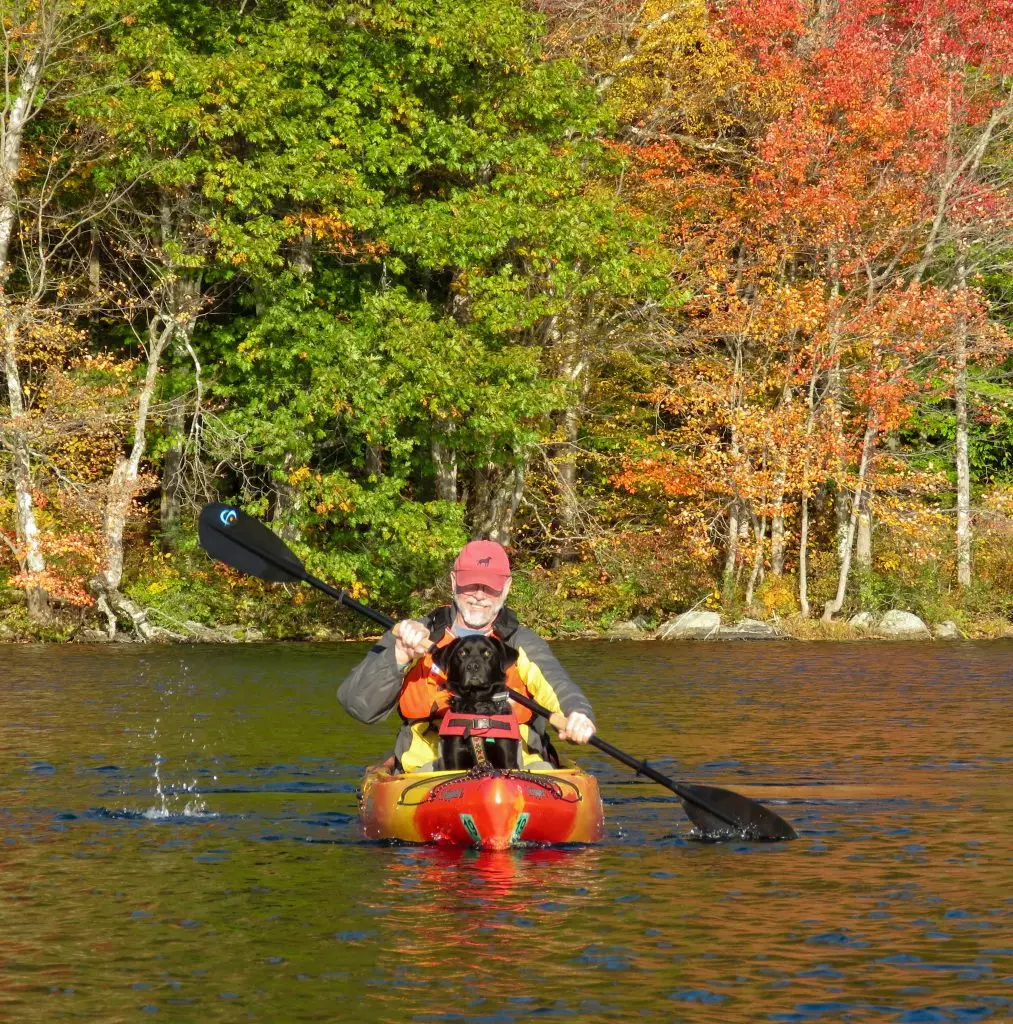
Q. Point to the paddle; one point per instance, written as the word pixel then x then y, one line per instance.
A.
pixel 237 539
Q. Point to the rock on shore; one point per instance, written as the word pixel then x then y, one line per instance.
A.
pixel 902 626
pixel 692 625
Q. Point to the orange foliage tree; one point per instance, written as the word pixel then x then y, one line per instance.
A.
pixel 816 188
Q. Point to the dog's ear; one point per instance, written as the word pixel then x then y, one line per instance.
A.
pixel 507 654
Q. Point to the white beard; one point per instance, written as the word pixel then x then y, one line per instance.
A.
pixel 479 619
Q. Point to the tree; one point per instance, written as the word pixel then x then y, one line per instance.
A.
pixel 51 52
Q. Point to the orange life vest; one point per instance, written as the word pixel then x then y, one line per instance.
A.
pixel 424 693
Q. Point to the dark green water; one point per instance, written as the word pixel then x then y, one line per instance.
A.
pixel 180 841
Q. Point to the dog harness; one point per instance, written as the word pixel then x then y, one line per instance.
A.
pixel 493 727
pixel 480 729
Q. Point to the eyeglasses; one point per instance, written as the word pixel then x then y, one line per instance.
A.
pixel 478 589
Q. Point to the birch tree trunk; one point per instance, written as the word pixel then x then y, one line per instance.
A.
pixel 574 371
pixel 26 527
pixel 731 553
pixel 777 538
pixel 756 576
pixel 120 492
pixel 803 552
pixel 12 126
pixel 961 454
pixel 831 608
pixel 803 540
pixel 863 533
pixel 174 467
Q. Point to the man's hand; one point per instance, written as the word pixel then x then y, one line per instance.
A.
pixel 578 728
pixel 412 641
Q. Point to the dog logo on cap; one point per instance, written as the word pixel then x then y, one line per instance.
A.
pixel 485 561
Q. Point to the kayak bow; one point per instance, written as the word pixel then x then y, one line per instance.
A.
pixel 490 809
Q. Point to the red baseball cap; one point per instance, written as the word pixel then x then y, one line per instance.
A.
pixel 484 562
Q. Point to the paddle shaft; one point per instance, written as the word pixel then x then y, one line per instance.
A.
pixel 348 601
pixel 640 767
pixel 297 570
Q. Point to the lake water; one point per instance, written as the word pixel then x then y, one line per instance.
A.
pixel 180 841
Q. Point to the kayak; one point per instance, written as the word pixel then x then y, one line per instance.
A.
pixel 488 809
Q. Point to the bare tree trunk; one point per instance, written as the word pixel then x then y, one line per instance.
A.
pixel 803 553
pixel 803 538
pixel 760 530
pixel 961 455
pixel 574 371
pixel 170 501
pixel 13 119
pixel 29 538
pixel 302 257
pixel 731 552
pixel 122 484
pixel 497 493
pixel 833 607
pixel 777 538
pixel 12 127
pixel 186 294
pixel 94 262
pixel 863 533
pixel 843 510
pixel 835 391
pixel 444 463
pixel 736 509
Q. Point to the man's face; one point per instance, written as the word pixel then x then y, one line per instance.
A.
pixel 478 605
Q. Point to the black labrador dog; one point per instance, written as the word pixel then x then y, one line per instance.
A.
pixel 475 667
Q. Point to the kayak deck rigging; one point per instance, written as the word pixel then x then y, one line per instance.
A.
pixel 484 807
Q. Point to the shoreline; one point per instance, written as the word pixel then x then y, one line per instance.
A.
pixel 816 632
pixel 696 624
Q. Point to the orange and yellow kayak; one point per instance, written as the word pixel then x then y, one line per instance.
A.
pixel 492 810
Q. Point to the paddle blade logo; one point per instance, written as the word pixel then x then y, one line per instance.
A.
pixel 228 516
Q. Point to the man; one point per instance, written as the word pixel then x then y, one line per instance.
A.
pixel 397 672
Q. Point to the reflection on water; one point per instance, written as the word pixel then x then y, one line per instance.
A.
pixel 180 839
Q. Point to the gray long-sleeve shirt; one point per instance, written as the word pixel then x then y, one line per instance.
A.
pixel 371 690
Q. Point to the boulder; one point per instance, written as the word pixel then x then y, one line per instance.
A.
pixel 750 629
pixel 902 626
pixel 947 630
pixel 863 620
pixel 691 625
pixel 628 630
pixel 92 636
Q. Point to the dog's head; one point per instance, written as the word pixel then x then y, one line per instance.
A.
pixel 475 665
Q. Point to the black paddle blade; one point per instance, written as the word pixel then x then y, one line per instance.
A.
pixel 231 536
pixel 752 820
